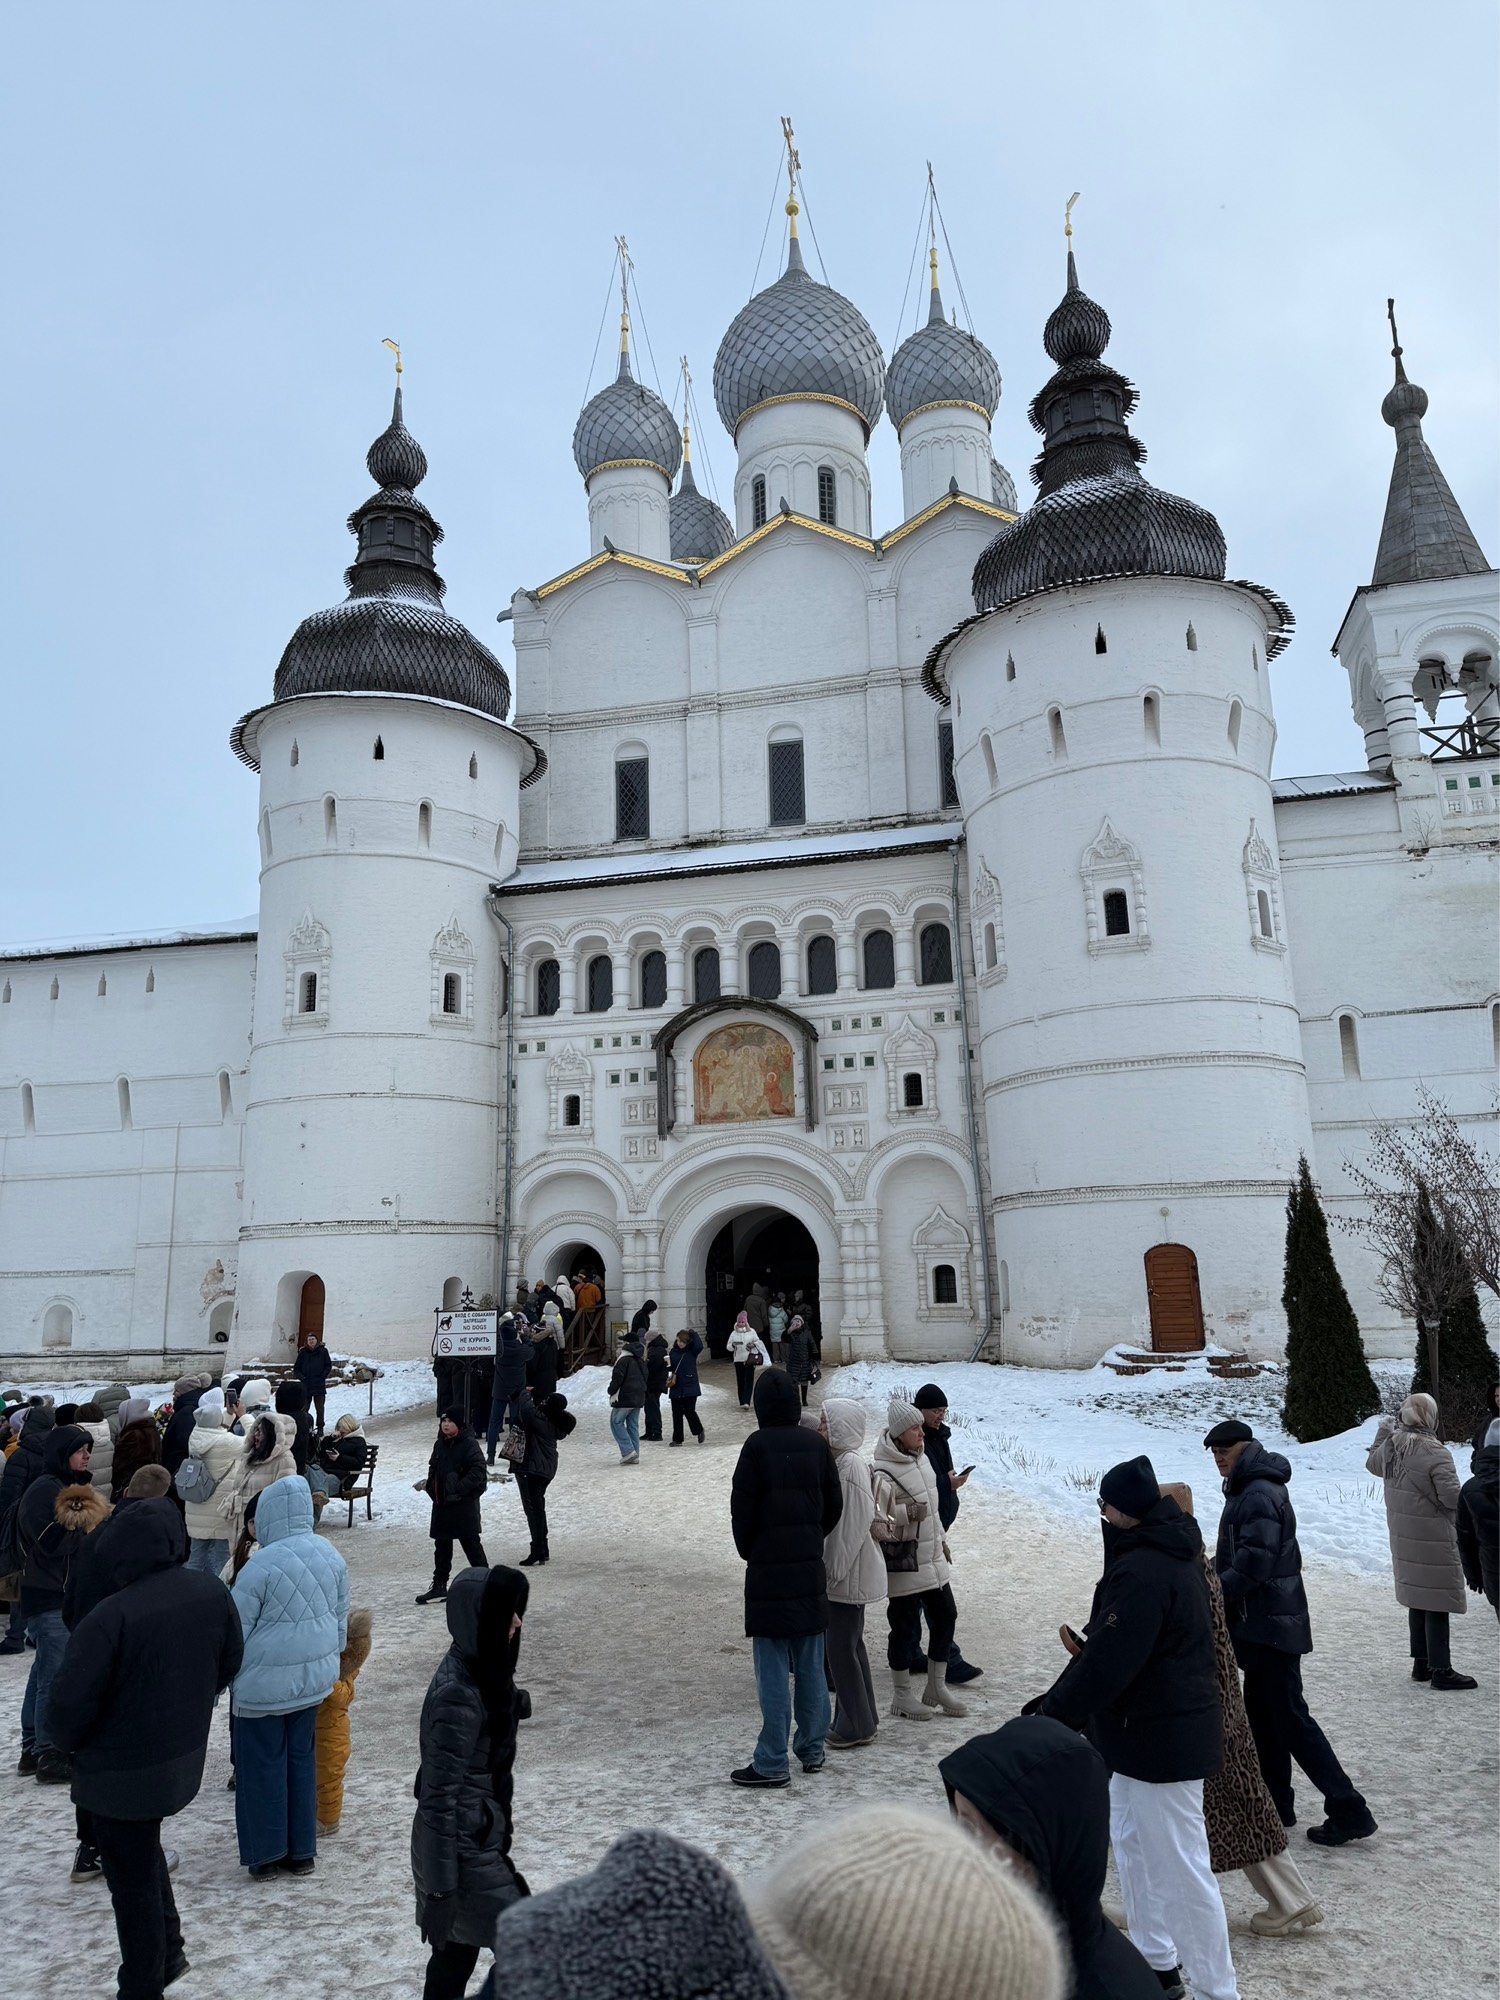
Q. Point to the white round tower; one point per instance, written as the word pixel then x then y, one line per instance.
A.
pixel 941 393
pixel 627 446
pixel 389 785
pixel 1137 1037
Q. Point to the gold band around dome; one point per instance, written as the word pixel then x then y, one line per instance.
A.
pixel 946 403
pixel 811 396
pixel 625 464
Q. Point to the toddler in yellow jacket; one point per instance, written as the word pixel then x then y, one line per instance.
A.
pixel 333 1724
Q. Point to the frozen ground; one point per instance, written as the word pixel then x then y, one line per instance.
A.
pixel 640 1675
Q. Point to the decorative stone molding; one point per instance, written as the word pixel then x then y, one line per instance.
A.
pixel 910 1050
pixel 453 953
pixel 570 1074
pixel 849 1138
pixel 309 949
pixel 987 910
pixel 1109 862
pixel 1261 879
pixel 942 1241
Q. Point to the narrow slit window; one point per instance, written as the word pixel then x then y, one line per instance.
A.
pixel 1055 730
pixel 5 995
pixel 330 821
pixel 991 769
pixel 1101 644
pixel 654 979
pixel 572 1109
pixel 474 767
pixel 1152 713
pixel 265 836
pixel 122 1089
pixel 1263 909
pixel 822 965
pixel 828 504
pixel 601 983
pixel 1349 1045
pixel 633 798
pixel 28 1108
pixel 308 1003
pixel 1192 640
pixel 453 993
pixel 1116 913
pixel 296 757
pixel 1235 715
pixel 226 1096
pixel 1010 666
pixel 379 750
pixel 764 970
pixel 947 783
pixel 911 1090
pixel 991 953
pixel 936 955
pixel 880 961
pixel 151 981
pixel 56 990
pixel 424 825
pixel 788 799
pixel 1255 658
pixel 548 986
pixel 757 502
pixel 706 973
pixel 944 1285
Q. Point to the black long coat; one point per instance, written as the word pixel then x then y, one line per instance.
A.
pixel 1258 1559
pixel 456 1479
pixel 1478 1524
pixel 178 1434
pixel 541 1369
pixel 1146 1686
pixel 25 1462
pixel 785 1499
pixel 461 1833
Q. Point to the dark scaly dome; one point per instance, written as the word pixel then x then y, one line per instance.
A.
pixel 626 424
pixel 940 363
pixel 802 339
pixel 700 529
pixel 391 634
pixel 1095 516
pixel 1424 535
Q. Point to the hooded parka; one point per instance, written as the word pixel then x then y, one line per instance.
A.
pixel 293 1600
pixel 57 1510
pixel 456 1479
pixel 1258 1560
pixel 250 1476
pixel 220 1451
pixel 852 1560
pixel 1421 1504
pixel 784 1502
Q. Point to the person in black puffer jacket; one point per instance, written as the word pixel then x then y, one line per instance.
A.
pixel 658 1368
pixel 461 1834
pixel 312 1368
pixel 1260 1572
pixel 785 1500
pixel 545 1421
pixel 23 1465
pixel 187 1393
pixel 456 1478
pixel 58 1509
pixel 512 1358
pixel 1477 1524
pixel 291 1401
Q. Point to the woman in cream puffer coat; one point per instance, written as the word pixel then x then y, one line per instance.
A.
pixel 906 1513
pixel 266 1458
pixel 1421 1503
pixel 855 1570
pixel 220 1451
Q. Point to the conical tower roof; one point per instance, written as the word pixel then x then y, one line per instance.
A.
pixel 1424 535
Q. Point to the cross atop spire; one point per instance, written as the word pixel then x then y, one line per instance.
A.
pixel 622 250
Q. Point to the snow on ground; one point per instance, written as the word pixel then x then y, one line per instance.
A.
pixel 635 1655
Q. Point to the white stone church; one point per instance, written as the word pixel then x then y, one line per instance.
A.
pixel 906 916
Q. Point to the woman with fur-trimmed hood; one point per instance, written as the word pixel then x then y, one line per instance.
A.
pixel 266 1458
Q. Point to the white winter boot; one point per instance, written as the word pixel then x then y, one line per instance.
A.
pixel 905 1701
pixel 937 1693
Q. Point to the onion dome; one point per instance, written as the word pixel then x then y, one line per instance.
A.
pixel 941 364
pixel 626 424
pixel 700 530
pixel 799 339
pixel 1095 515
pixel 391 634
pixel 1002 487
pixel 1424 535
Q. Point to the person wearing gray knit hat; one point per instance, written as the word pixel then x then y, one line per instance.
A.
pixel 896 1904
pixel 901 1416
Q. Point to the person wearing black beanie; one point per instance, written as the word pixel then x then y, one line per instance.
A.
pixel 456 1478
pixel 932 1401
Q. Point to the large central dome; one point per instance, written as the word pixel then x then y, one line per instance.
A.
pixel 798 338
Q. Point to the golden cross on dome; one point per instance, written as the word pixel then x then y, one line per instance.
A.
pixel 1068 219
pixel 622 249
pixel 687 383
pixel 793 168
pixel 395 347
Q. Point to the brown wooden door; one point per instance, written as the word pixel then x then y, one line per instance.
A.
pixel 310 1319
pixel 1172 1291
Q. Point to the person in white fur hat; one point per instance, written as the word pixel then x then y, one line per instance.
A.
pixel 917 1568
pixel 217 1450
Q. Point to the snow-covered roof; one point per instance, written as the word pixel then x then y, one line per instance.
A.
pixel 730 857
pixel 1330 785
pixel 235 930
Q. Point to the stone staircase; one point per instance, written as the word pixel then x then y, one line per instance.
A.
pixel 1225 1367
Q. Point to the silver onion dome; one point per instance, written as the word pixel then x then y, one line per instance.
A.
pixel 626 424
pixel 700 530
pixel 940 363
pixel 798 338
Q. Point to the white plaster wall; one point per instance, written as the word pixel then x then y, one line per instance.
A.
pixel 628 505
pixel 786 443
pixel 939 445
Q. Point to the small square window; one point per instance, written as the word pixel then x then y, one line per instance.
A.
pixel 614 1076
pixel 877 1020
pixel 1475 783
pixel 836 1023
pixel 868 1061
pixel 634 1076
pixel 520 1048
pixel 541 1048
pixel 598 1041
pixel 828 1062
pixel 940 1014
pixel 616 1042
pixel 848 1062
pixel 856 1022
pixel 635 1041
pixel 651 1076
pixel 1450 784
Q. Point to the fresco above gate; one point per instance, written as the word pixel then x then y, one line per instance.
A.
pixel 742 1072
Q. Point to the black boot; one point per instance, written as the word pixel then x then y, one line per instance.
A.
pixel 436 1594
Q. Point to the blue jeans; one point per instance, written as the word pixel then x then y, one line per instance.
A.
pixel 505 1408
pixel 789 1681
pixel 49 1635
pixel 276 1786
pixel 209 1556
pixel 626 1425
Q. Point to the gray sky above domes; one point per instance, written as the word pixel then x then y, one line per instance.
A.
pixel 215 225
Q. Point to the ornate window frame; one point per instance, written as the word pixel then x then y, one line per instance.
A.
pixel 907 1048
pixel 941 1240
pixel 570 1074
pixel 308 949
pixel 1260 875
pixel 987 906
pixel 453 951
pixel 1112 862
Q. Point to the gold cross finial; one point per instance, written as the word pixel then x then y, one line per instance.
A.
pixel 622 249
pixel 687 383
pixel 395 347
pixel 1068 219
pixel 793 168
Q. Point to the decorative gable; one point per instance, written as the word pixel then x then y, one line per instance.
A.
pixel 570 1094
pixel 452 958
pixel 309 966
pixel 942 1249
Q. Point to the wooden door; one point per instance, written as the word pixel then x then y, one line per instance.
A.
pixel 1172 1292
pixel 310 1316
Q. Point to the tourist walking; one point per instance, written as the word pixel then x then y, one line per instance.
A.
pixel 131 1707
pixel 683 1384
pixel 57 1510
pixel 511 1361
pixel 785 1501
pixel 1145 1686
pixel 627 1397
pixel 937 1443
pixel 214 1452
pixel 292 1597
pixel 910 1535
pixel 546 1423
pixel 777 1319
pixel 1477 1522
pixel 266 1458
pixel 1421 1506
pixel 747 1354
pixel 855 1571
pixel 758 1312
pixel 461 1832
pixel 456 1480
pixel 658 1376
pixel 1039 1793
pixel 1259 1566
pixel 312 1368
pixel 797 1354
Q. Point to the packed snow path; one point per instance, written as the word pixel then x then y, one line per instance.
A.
pixel 640 1675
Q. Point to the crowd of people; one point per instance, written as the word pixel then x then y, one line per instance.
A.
pixel 162 1560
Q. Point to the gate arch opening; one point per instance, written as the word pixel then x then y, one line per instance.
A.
pixel 759 1245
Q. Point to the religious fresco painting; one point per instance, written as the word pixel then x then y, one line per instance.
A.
pixel 743 1072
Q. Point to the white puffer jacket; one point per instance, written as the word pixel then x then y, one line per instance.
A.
pixel 220 1451
pixel 101 1457
pixel 915 1489
pixel 853 1563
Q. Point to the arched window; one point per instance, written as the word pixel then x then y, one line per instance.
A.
pixel 28 1108
pixel 151 980
pixel 453 1291
pixel 122 1091
pixel 828 506
pixel 474 766
pixel 1101 644
pixel 758 501
pixel 379 750
pixel 1263 911
pixel 947 783
pixel 936 955
pixel 632 798
pixel 308 994
pixel 944 1285
pixel 880 960
pixel 1192 640
pixel 788 803
pixel 1004 1286
pixel 57 1326
pixel 424 824
pixel 1116 913
pixel 453 993
pixel 706 973
pixel 572 1109
pixel 601 983
pixel 989 759
pixel 764 969
pixel 330 821
pixel 1151 710
pixel 103 986
pixel 55 991
pixel 1349 1045
pixel 226 1096
pixel 991 953
pixel 822 965
pixel 911 1090
pixel 654 979
pixel 265 835
pixel 296 757
pixel 1235 713
pixel 1055 729
pixel 548 986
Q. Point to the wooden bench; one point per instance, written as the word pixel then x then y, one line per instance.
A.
pixel 364 1485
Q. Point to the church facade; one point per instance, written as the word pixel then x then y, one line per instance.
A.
pixel 907 917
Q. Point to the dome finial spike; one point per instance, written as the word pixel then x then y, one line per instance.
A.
pixel 793 206
pixel 935 297
pixel 687 441
pixel 622 249
pixel 1068 237
pixel 1390 313
pixel 395 347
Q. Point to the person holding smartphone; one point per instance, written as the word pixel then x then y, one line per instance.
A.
pixel 937 1444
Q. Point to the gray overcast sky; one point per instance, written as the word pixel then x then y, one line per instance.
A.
pixel 213 215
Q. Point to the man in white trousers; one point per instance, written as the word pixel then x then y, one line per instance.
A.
pixel 1143 1683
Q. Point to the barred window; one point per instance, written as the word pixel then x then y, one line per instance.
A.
pixel 880 960
pixel 828 505
pixel 788 798
pixel 548 987
pixel 654 979
pixel 633 799
pixel 310 993
pixel 706 973
pixel 947 783
pixel 572 1110
pixel 765 971
pixel 1116 913
pixel 601 984
pixel 937 955
pixel 911 1090
pixel 453 993
pixel 944 1285
pixel 822 966
pixel 757 502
